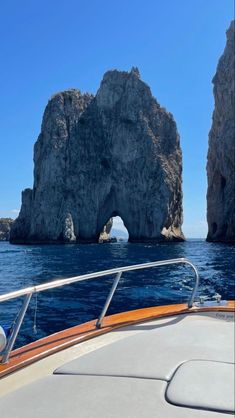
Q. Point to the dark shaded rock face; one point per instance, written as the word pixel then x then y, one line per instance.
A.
pixel 5 227
pixel 117 153
pixel 221 154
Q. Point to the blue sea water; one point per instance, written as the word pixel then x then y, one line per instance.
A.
pixel 22 266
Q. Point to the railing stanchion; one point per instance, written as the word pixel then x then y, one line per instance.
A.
pixel 108 300
pixel 195 288
pixel 11 341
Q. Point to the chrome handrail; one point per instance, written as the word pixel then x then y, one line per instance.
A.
pixel 29 291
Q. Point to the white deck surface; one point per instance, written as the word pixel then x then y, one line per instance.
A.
pixel 126 373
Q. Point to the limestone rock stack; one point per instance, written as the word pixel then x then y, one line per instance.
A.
pixel 117 153
pixel 221 154
pixel 5 227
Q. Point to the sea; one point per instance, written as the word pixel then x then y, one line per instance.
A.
pixel 51 311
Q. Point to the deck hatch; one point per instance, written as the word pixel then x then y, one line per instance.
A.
pixel 202 384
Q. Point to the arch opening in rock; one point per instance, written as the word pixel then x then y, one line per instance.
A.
pixel 119 231
pixel 114 230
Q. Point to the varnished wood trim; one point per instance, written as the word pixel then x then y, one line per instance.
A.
pixel 37 350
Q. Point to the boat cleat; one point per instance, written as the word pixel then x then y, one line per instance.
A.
pixel 204 301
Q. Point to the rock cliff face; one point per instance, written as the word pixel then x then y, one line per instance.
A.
pixel 5 227
pixel 117 153
pixel 221 154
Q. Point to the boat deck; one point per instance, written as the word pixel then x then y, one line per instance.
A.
pixel 181 366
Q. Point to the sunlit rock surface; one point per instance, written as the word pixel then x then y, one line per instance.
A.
pixel 221 154
pixel 115 154
pixel 105 233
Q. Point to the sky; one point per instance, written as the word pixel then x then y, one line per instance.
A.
pixel 48 46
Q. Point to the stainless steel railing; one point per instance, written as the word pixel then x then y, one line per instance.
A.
pixel 29 291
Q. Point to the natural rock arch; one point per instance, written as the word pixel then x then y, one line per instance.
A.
pixel 117 152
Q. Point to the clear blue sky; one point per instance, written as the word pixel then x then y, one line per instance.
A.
pixel 51 45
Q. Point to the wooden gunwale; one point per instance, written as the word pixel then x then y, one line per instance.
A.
pixel 54 343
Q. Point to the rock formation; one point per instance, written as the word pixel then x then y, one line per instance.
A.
pixel 221 154
pixel 104 235
pixel 117 153
pixel 5 227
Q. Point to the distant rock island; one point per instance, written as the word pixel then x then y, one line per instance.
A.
pixel 5 227
pixel 221 154
pixel 114 154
